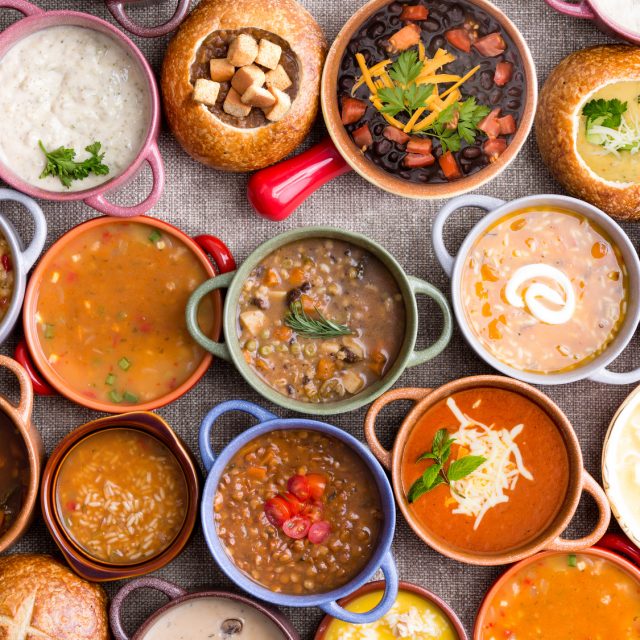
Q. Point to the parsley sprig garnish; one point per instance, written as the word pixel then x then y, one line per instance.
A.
pixel 436 474
pixel 607 113
pixel 61 163
pixel 320 327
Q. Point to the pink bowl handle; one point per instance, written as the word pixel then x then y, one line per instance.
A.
pixel 118 12
pixel 101 204
pixel 24 7
pixel 580 10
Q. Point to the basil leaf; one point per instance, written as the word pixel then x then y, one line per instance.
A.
pixel 417 489
pixel 461 468
pixel 438 441
pixel 430 475
pixel 427 456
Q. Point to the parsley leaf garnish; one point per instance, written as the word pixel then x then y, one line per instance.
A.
pixel 61 163
pixel 406 69
pixel 607 113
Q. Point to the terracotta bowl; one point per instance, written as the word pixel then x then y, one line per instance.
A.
pixel 46 381
pixel 378 585
pixel 20 416
pixel 178 596
pixel 85 565
pixel 579 480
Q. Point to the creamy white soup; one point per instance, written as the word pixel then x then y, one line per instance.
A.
pixel 626 13
pixel 213 619
pixel 70 86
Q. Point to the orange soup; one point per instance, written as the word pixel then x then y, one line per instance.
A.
pixel 111 313
pixel 565 597
pixel 510 498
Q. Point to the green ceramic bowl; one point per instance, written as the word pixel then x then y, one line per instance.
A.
pixel 409 286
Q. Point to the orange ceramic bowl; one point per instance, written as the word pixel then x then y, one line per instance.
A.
pixel 47 381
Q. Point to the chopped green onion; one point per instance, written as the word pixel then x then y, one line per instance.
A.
pixel 130 397
pixel 155 236
pixel 115 396
pixel 572 561
pixel 124 364
pixel 49 331
pixel 110 379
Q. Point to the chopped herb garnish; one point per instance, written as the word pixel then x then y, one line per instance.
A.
pixel 61 163
pixel 110 379
pixel 607 113
pixel 130 397
pixel 572 561
pixel 49 331
pixel 607 127
pixel 319 327
pixel 115 396
pixel 154 236
pixel 124 364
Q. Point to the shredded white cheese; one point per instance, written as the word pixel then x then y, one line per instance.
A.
pixel 625 138
pixel 486 486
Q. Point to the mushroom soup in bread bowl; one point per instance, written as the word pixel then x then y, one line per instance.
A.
pixel 588 127
pixel 240 81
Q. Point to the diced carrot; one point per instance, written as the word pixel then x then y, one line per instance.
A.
pixel 257 473
pixel 507 125
pixel 420 145
pixel 491 46
pixel 414 12
pixel 407 37
pixel 449 166
pixel 261 364
pixel 415 160
pixel 271 278
pixel 248 358
pixel 504 72
pixel 362 137
pixel 378 362
pixel 463 451
pixel 325 369
pixel 459 38
pixel 490 125
pixel 352 110
pixel 494 148
pixel 282 333
pixel 308 303
pixel 297 276
pixel 396 135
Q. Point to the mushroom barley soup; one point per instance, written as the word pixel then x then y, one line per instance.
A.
pixel 121 496
pixel 320 319
pixel 544 290
pixel 298 512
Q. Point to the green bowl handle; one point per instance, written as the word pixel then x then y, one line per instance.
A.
pixel 222 281
pixel 421 287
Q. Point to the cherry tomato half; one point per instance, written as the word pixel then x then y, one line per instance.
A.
pixel 299 486
pixel 295 506
pixel 319 532
pixel 317 485
pixel 296 527
pixel 277 511
pixel 313 511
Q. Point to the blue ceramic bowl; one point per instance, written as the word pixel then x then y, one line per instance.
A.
pixel 381 558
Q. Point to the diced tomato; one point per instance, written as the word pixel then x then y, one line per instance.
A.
pixel 504 72
pixel 296 527
pixel 298 485
pixel 507 125
pixel 362 137
pixel 71 276
pixel 414 12
pixel 407 37
pixel 491 46
pixel 459 38
pixel 449 166
pixel 420 145
pixel 396 135
pixel 352 110
pixel 6 262
pixel 415 160
pixel 295 505
pixel 494 148
pixel 277 511
pixel 317 485
pixel 72 505
pixel 319 532
pixel 490 125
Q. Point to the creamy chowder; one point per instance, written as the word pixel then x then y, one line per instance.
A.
pixel 211 618
pixel 625 13
pixel 70 86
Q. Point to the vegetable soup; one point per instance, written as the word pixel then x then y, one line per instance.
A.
pixel 565 597
pixel 110 313
pixel 544 290
pixel 15 473
pixel 320 320
pixel 121 496
pixel 513 490
pixel 7 277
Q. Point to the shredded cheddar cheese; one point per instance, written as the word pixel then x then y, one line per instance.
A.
pixel 414 118
pixel 365 73
pixel 432 117
pixel 421 51
pixel 460 82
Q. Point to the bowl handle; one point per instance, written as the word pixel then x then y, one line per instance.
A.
pixel 487 203
pixel 24 7
pixel 390 573
pixel 421 287
pixel 219 349
pixel 218 250
pixel 40 387
pixel 206 449
pixel 579 10
pixel 275 192
pixel 169 589
pixel 408 393
pixel 118 12
pixel 100 203
pixel 592 487
pixel 613 377
pixel 25 404
pixel 621 545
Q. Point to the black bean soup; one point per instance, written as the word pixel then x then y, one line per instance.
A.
pixel 373 42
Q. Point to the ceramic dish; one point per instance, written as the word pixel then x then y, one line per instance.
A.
pixel 274 621
pixel 379 555
pixel 405 286
pixel 169 266
pixel 276 191
pixel 78 25
pixel 538 335
pixel 456 530
pixel 17 420
pixel 454 630
pixel 79 522
pixel 119 12
pixel 18 260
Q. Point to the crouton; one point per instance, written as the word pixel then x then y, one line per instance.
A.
pixel 234 106
pixel 206 91
pixel 246 77
pixel 258 97
pixel 280 108
pixel 253 321
pixel 242 51
pixel 278 78
pixel 268 54
pixel 221 70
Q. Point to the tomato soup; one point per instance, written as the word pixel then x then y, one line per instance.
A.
pixel 110 313
pixel 565 597
pixel 511 498
pixel 544 290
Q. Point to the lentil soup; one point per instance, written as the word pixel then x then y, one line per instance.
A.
pixel 298 512
pixel 338 285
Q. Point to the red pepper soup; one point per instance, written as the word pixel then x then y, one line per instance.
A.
pixel 110 313
pixel 485 470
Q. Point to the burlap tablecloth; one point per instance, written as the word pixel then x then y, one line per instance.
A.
pixel 199 200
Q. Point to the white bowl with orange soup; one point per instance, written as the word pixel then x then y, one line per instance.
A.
pixel 104 313
pixel 545 288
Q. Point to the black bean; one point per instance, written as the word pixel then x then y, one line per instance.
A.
pixel 514 104
pixel 436 43
pixel 382 147
pixel 486 80
pixel 514 92
pixel 377 129
pixel 376 30
pixel 456 13
pixel 431 25
pixel 471 153
pixel 495 96
pixel 395 7
pixel 394 156
pixel 345 84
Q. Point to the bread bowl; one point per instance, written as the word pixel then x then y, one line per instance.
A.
pixel 275 49
pixel 40 598
pixel 587 170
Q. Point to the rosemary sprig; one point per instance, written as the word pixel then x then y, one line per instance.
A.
pixel 319 327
